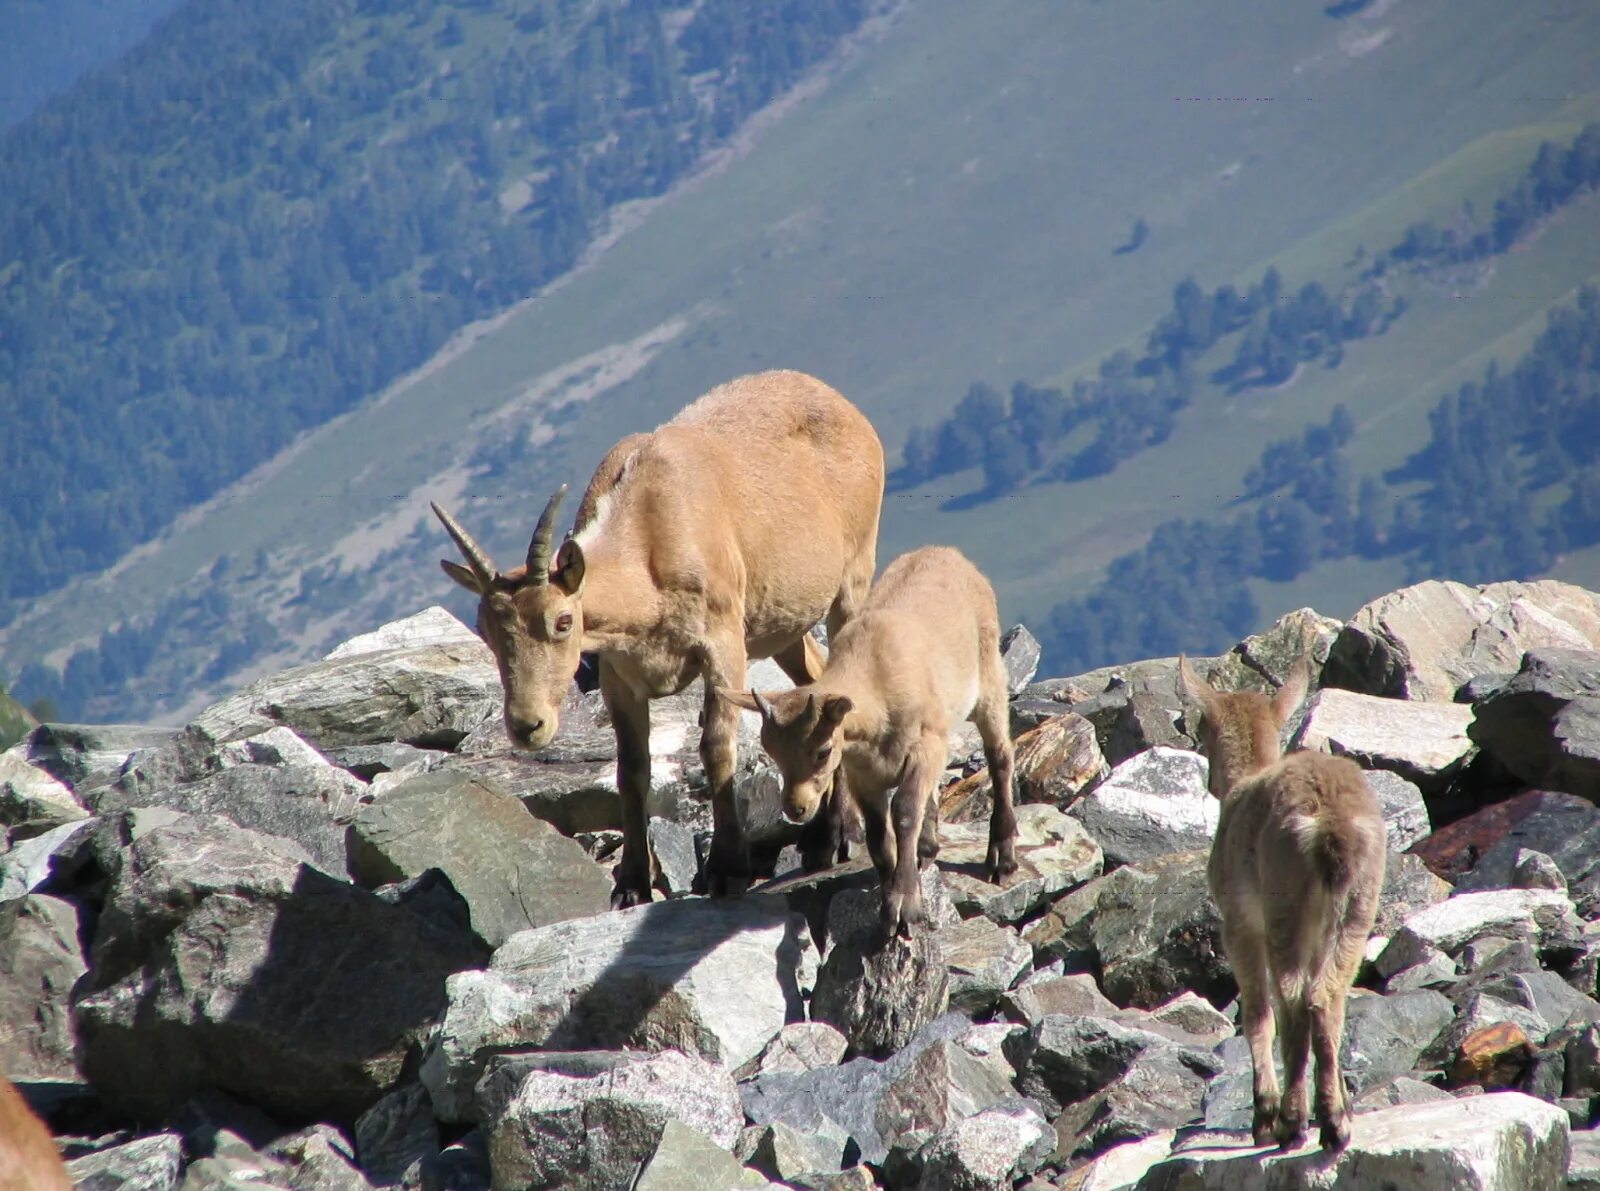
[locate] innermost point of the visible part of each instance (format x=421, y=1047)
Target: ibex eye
x=564, y=622
x=825, y=752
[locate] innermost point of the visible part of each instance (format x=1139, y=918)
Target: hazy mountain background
x=45, y=45
x=1175, y=317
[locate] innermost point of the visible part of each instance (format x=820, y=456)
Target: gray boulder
x=1408, y=886
x=1153, y=804
x=686, y=1160
x=878, y=992
x=148, y=1164
x=788, y=1153
x=1542, y=916
x=32, y=801
x=396, y=1132
x=1066, y=1059
x=1501, y=1142
x=593, y=1131
x=799, y=1046
x=1263, y=662
x=1424, y=642
x=33, y=863
x=40, y=961
x=513, y=871
x=987, y=1151
x=223, y=958
x=715, y=979
x=984, y=959
x=1544, y=724
x=1020, y=651
x=86, y=756
x=1387, y=1036
x=1156, y=933
x=1425, y=743
x=1403, y=808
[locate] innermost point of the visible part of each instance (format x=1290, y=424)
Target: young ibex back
x=922, y=655
x=722, y=536
x=1296, y=869
x=28, y=1158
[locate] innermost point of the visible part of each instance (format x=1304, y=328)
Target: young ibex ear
x=462, y=575
x=1293, y=691
x=747, y=700
x=1191, y=687
x=835, y=708
x=569, y=568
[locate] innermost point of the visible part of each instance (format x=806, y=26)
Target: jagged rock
x=308, y=803
x=31, y=864
x=672, y=844
x=1386, y=1036
x=223, y=958
x=370, y=761
x=85, y=756
x=1493, y=1057
x=1424, y=642
x=1500, y=1142
x=1583, y=1170
x=1544, y=724
x=193, y=755
x=1035, y=999
x=1540, y=915
x=394, y=1133
x=320, y=1159
x=1564, y=827
x=592, y=1131
x=1531, y=869
x=432, y=626
x=425, y=695
x=1066, y=1059
x=1402, y=1089
x=40, y=961
x=1403, y=808
x=1054, y=853
x=853, y=1094
x=1408, y=886
x=685, y=1160
x=984, y=959
x=1063, y=935
x=1156, y=932
x=1194, y=1016
x=1153, y=804
x=1546, y=994
x=786, y=1153
x=1055, y=761
x=1264, y=661
x=1436, y=971
x=1120, y=1167
x=1020, y=651
x=513, y=871
x=1164, y=1089
x=1425, y=743
x=987, y=1151
x=940, y=1085
x=880, y=991
x=799, y=1046
x=32, y=801
x=148, y=1164
x=713, y=978
x=1133, y=708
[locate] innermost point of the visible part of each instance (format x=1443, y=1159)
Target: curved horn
x=470, y=550
x=539, y=547
x=762, y=705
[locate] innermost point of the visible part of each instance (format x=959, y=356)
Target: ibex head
x=1239, y=730
x=531, y=617
x=803, y=732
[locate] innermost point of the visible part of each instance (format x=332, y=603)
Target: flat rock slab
x=1054, y=854
x=514, y=871
x=1500, y=1142
x=715, y=979
x=1424, y=642
x=1153, y=804
x=1425, y=743
x=1542, y=916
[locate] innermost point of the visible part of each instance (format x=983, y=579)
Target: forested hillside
x=269, y=210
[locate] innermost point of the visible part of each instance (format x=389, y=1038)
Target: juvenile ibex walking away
x=1296, y=869
x=28, y=1158
x=722, y=536
x=923, y=655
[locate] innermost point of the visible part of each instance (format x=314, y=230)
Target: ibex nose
x=523, y=731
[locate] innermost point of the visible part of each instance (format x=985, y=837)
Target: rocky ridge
x=335, y=934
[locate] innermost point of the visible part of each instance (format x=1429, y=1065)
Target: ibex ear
x=743, y=699
x=1191, y=687
x=462, y=575
x=1293, y=691
x=569, y=568
x=835, y=708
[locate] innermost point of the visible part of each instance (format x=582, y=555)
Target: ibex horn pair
x=538, y=549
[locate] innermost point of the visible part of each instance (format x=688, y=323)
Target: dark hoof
x=1290, y=1135
x=1265, y=1123
x=901, y=914
x=626, y=897
x=726, y=873
x=1334, y=1136
x=1001, y=862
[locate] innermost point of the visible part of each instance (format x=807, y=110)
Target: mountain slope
x=947, y=210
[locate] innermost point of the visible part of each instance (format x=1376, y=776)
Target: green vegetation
x=266, y=212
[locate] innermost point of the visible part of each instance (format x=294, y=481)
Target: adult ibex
x=923, y=655
x=28, y=1158
x=1296, y=869
x=722, y=536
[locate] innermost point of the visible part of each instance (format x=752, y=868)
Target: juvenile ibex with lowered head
x=1296, y=869
x=722, y=536
x=923, y=655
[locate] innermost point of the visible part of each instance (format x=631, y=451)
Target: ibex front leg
x=727, y=869
x=902, y=895
x=630, y=720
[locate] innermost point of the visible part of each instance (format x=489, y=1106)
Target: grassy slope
x=947, y=211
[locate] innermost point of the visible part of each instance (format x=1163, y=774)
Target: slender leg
x=1247, y=955
x=630, y=719
x=727, y=868
x=992, y=718
x=902, y=895
x=928, y=840
x=880, y=839
x=1327, y=1028
x=1294, y=1023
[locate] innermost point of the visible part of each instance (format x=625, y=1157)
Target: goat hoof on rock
x=726, y=872
x=1335, y=1134
x=1001, y=862
x=627, y=895
x=1290, y=1134
x=1265, y=1122
x=902, y=912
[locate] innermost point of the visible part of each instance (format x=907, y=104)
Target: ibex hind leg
x=992, y=716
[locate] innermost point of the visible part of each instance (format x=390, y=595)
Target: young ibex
x=28, y=1158
x=922, y=655
x=1296, y=869
x=722, y=536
